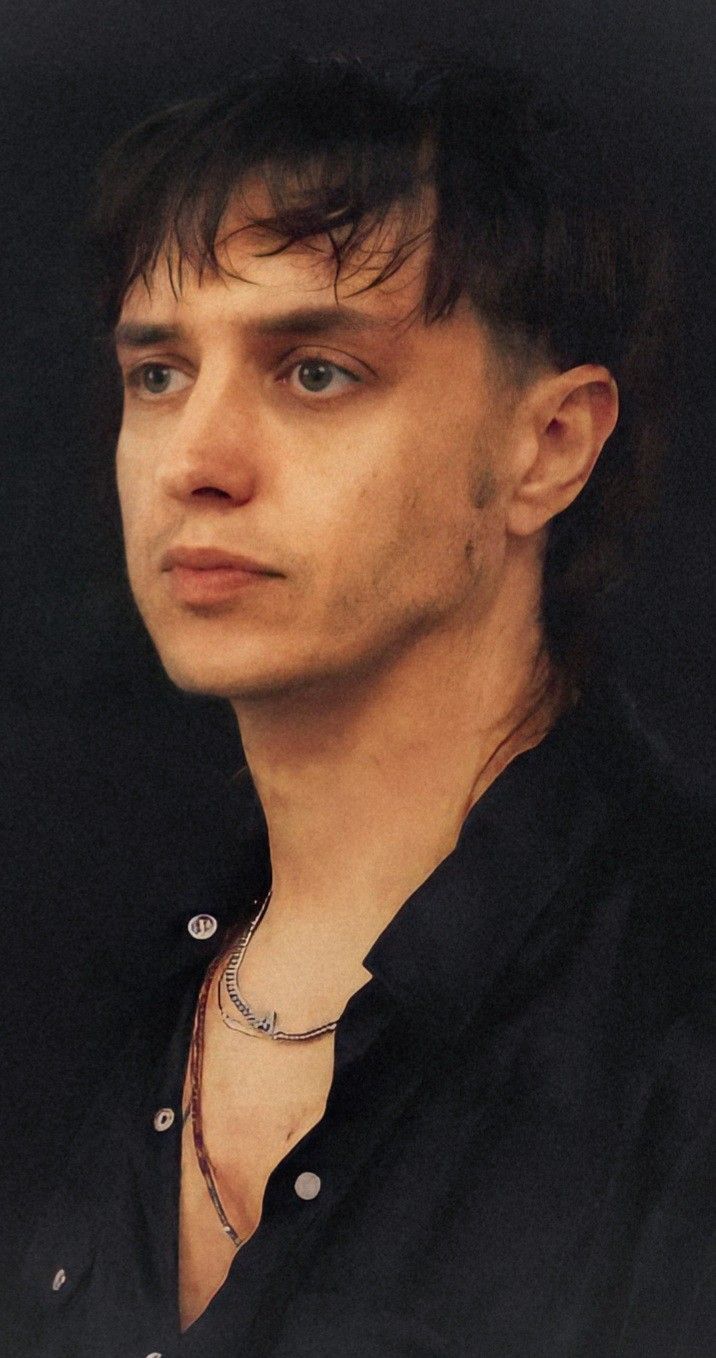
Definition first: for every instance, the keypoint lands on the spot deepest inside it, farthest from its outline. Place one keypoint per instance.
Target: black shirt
(513, 1159)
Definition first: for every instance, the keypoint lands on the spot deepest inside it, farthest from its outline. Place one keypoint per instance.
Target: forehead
(257, 274)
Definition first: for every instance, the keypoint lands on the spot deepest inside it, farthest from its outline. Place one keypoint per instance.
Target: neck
(365, 787)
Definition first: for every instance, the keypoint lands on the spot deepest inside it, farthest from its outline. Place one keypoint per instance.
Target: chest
(258, 1099)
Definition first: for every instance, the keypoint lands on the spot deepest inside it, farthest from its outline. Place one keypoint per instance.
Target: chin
(217, 680)
(242, 678)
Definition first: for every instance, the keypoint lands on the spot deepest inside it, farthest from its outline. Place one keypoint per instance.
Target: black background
(119, 813)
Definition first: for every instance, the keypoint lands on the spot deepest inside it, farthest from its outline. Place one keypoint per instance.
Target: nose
(211, 452)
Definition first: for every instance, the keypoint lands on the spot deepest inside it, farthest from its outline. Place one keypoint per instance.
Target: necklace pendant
(239, 1026)
(267, 1024)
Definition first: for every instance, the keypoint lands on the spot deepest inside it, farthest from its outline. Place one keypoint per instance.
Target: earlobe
(570, 416)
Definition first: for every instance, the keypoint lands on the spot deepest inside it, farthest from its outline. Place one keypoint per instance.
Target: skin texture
(402, 509)
(405, 514)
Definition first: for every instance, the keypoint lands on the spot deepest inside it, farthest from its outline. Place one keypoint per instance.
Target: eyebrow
(304, 321)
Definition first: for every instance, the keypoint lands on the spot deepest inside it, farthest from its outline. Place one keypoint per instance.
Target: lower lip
(211, 586)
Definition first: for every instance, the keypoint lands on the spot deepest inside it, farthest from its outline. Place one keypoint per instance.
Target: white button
(59, 1280)
(307, 1186)
(154, 1355)
(163, 1119)
(202, 926)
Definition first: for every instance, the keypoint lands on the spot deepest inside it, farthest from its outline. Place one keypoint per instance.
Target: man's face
(356, 461)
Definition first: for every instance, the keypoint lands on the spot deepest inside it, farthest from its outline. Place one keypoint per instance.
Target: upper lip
(210, 558)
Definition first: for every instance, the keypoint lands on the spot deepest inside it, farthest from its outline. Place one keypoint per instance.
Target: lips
(211, 559)
(206, 577)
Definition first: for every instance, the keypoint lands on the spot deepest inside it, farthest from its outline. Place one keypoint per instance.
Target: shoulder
(651, 874)
(661, 812)
(655, 855)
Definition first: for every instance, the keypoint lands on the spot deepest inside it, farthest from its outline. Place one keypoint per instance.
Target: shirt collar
(519, 843)
(445, 948)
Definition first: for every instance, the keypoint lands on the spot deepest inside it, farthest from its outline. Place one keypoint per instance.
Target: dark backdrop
(119, 813)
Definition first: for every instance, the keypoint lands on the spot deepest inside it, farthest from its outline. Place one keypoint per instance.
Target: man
(437, 1086)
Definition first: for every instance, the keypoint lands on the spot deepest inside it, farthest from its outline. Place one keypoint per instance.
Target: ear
(561, 426)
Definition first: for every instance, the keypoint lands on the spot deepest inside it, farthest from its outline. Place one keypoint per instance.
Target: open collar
(449, 942)
(453, 937)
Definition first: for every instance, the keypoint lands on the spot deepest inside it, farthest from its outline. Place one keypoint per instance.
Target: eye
(319, 376)
(153, 379)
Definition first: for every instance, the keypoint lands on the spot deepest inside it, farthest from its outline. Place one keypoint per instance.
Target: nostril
(212, 490)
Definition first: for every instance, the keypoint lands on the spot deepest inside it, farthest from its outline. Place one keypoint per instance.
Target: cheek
(134, 502)
(133, 471)
(400, 541)
(126, 478)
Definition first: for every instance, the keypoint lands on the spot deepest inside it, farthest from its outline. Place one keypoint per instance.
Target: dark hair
(557, 257)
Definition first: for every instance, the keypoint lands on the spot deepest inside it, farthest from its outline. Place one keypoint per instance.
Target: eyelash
(134, 377)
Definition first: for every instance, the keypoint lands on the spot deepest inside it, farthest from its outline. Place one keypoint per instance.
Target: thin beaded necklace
(196, 1061)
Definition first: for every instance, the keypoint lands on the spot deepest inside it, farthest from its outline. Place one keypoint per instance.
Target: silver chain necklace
(266, 1025)
(252, 1024)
